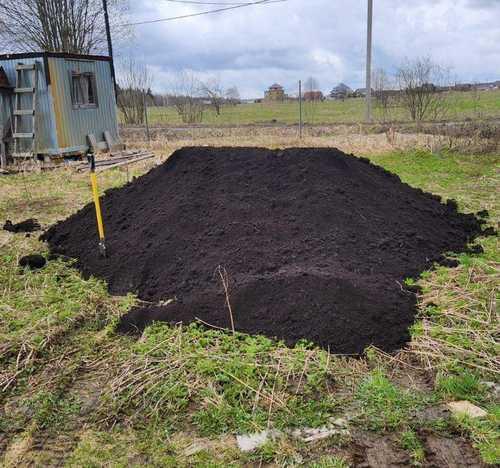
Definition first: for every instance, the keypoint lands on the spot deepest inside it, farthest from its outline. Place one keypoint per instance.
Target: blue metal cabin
(75, 97)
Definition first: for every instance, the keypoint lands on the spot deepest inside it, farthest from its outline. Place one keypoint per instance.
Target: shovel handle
(95, 194)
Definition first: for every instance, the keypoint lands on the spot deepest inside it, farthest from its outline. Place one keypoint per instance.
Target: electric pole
(300, 109)
(110, 43)
(369, 62)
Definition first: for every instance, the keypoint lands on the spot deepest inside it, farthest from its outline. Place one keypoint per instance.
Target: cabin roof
(64, 55)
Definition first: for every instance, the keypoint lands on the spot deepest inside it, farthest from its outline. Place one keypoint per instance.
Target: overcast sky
(255, 46)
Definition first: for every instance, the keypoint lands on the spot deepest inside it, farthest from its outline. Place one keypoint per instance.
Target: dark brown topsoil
(316, 244)
(29, 225)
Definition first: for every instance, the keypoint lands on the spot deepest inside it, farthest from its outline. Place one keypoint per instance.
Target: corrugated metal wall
(74, 124)
(46, 137)
(61, 128)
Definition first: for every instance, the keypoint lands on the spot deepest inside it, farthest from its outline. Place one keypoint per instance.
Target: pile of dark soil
(316, 244)
(29, 225)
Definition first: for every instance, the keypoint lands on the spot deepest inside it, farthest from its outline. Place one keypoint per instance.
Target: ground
(74, 392)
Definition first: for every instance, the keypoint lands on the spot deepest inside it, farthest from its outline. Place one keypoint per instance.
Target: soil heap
(316, 244)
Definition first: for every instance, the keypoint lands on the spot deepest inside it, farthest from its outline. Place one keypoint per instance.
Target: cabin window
(83, 90)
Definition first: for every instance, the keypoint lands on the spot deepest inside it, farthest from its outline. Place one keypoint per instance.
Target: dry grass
(460, 326)
(347, 139)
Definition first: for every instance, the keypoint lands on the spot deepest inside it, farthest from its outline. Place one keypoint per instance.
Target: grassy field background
(461, 106)
(75, 393)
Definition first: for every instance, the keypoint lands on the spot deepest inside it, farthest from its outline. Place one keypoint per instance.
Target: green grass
(466, 105)
(329, 462)
(384, 405)
(236, 383)
(464, 386)
(411, 443)
(154, 396)
(485, 434)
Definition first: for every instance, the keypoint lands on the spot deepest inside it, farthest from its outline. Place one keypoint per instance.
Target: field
(73, 392)
(461, 106)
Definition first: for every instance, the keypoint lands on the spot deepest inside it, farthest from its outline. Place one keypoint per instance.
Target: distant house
(361, 92)
(487, 86)
(476, 86)
(313, 96)
(276, 92)
(341, 91)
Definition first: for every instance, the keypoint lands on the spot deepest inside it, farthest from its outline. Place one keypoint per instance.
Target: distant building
(487, 86)
(341, 91)
(492, 85)
(276, 92)
(361, 92)
(313, 96)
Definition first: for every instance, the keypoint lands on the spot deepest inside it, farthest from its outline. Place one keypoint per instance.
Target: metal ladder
(25, 86)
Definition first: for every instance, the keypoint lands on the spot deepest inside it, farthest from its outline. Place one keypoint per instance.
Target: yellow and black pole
(97, 204)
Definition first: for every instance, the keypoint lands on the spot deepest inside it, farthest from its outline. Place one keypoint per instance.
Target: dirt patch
(316, 244)
(29, 225)
(451, 453)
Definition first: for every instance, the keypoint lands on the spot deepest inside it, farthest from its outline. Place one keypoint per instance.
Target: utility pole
(110, 43)
(146, 120)
(300, 109)
(369, 62)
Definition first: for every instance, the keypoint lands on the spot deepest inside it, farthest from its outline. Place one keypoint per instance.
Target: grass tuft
(384, 405)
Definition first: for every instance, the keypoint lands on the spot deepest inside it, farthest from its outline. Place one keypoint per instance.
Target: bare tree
(384, 94)
(232, 95)
(213, 91)
(311, 84)
(134, 89)
(420, 81)
(312, 97)
(73, 26)
(187, 96)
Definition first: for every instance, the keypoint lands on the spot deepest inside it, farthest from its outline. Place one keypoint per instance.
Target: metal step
(24, 112)
(22, 66)
(24, 90)
(23, 135)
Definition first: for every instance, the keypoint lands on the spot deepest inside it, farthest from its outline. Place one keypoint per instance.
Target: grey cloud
(254, 47)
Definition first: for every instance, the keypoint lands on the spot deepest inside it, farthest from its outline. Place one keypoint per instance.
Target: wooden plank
(116, 162)
(126, 158)
(123, 163)
(93, 142)
(109, 140)
(3, 156)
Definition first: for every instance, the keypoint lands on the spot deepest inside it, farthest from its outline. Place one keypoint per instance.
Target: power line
(194, 2)
(218, 10)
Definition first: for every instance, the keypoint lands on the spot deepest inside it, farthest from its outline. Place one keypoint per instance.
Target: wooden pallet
(122, 158)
